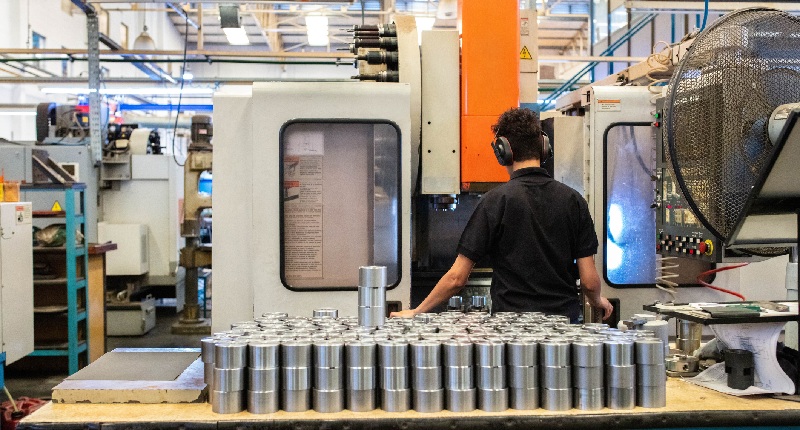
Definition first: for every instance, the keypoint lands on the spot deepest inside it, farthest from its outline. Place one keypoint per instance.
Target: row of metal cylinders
(429, 376)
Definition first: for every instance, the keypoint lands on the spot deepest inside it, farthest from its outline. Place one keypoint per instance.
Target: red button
(702, 247)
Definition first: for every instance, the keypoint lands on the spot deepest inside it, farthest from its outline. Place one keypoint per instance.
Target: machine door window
(340, 205)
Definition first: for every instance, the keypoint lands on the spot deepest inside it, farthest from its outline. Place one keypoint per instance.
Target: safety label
(23, 214)
(56, 207)
(525, 54)
(609, 105)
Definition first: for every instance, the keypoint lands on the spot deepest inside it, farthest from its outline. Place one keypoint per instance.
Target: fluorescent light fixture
(17, 113)
(236, 36)
(131, 91)
(188, 76)
(317, 27)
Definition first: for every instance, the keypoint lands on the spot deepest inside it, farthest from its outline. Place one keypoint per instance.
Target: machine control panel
(678, 231)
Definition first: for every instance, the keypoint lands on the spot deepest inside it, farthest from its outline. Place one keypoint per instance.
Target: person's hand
(408, 313)
(605, 306)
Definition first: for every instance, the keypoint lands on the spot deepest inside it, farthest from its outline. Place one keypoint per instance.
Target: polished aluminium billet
(227, 402)
(688, 336)
(296, 353)
(493, 400)
(230, 355)
(619, 352)
(649, 351)
(556, 399)
(461, 400)
(263, 354)
(329, 378)
(588, 378)
(620, 398)
(371, 297)
(263, 379)
(395, 400)
(620, 376)
(207, 348)
(524, 399)
(490, 353)
(459, 378)
(651, 375)
(523, 377)
(555, 353)
(295, 378)
(329, 354)
(426, 378)
(428, 401)
(371, 316)
(426, 353)
(457, 353)
(262, 402)
(208, 375)
(229, 379)
(296, 400)
(361, 400)
(651, 397)
(372, 276)
(522, 352)
(589, 399)
(587, 353)
(490, 378)
(556, 377)
(395, 378)
(456, 303)
(328, 401)
(326, 313)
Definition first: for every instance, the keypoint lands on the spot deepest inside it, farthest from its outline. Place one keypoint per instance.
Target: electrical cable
(664, 279)
(721, 269)
(180, 94)
(705, 16)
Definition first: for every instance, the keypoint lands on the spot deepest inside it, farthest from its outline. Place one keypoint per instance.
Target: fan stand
(796, 397)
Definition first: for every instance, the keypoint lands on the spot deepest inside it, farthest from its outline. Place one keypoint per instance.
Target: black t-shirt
(533, 228)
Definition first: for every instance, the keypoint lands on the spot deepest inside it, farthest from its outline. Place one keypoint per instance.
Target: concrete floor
(40, 385)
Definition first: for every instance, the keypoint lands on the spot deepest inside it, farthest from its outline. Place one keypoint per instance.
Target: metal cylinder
(556, 377)
(395, 378)
(459, 378)
(522, 352)
(455, 303)
(493, 400)
(589, 399)
(262, 402)
(361, 378)
(651, 375)
(478, 303)
(393, 353)
(207, 349)
(329, 378)
(660, 330)
(526, 377)
(296, 353)
(457, 353)
(227, 402)
(326, 313)
(230, 355)
(263, 354)
(329, 354)
(371, 316)
(361, 400)
(328, 401)
(556, 399)
(208, 375)
(229, 379)
(490, 353)
(426, 378)
(619, 352)
(395, 400)
(426, 353)
(587, 353)
(620, 398)
(371, 297)
(555, 353)
(587, 378)
(652, 397)
(649, 351)
(461, 400)
(296, 400)
(740, 367)
(295, 378)
(490, 378)
(428, 401)
(372, 276)
(689, 335)
(524, 399)
(263, 379)
(620, 376)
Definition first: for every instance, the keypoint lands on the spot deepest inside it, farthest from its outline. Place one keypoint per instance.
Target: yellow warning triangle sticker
(56, 207)
(525, 54)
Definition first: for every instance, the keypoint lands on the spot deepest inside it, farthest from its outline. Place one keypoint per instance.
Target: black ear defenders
(505, 156)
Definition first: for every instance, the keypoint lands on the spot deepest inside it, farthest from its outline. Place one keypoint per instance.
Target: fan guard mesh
(718, 106)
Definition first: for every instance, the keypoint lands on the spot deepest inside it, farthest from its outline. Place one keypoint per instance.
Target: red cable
(722, 269)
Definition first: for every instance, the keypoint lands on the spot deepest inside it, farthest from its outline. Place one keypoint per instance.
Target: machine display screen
(340, 183)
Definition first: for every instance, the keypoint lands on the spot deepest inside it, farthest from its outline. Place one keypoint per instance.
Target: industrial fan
(730, 111)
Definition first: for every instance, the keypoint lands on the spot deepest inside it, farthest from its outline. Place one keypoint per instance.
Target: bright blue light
(615, 221)
(614, 255)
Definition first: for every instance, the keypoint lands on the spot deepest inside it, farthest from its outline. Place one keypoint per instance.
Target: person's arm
(451, 283)
(590, 285)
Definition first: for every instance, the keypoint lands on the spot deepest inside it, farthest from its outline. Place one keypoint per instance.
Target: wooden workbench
(687, 405)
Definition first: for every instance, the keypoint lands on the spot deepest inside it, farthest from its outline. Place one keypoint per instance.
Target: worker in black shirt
(534, 229)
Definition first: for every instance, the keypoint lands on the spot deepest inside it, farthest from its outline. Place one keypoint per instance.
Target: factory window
(38, 42)
(340, 205)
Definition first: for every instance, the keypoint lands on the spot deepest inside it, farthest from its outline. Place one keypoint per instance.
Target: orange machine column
(489, 82)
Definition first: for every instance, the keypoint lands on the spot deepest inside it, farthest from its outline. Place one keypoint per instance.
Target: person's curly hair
(523, 130)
